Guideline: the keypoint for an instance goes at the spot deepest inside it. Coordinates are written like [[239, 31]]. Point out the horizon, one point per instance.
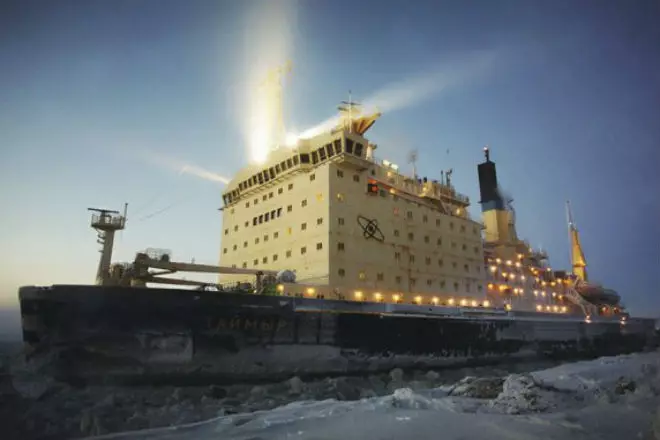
[[150, 104]]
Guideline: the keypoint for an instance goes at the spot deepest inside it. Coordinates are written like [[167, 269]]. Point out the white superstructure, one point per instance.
[[352, 226]]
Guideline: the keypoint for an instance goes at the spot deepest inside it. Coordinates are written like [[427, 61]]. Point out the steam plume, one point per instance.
[[417, 89]]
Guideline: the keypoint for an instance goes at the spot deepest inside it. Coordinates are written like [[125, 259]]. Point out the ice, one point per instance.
[[607, 398]]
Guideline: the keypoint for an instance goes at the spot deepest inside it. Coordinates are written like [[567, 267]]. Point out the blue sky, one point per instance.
[[569, 102]]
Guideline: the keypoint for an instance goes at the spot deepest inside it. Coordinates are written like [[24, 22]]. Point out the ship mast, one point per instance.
[[106, 223], [569, 222], [347, 108], [578, 261]]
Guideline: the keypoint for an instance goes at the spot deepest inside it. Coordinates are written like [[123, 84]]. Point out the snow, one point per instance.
[[607, 398]]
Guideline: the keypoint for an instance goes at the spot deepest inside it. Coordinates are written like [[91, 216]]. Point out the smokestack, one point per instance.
[[490, 197]]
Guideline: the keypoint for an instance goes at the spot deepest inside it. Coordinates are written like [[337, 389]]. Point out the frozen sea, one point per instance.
[[606, 398]]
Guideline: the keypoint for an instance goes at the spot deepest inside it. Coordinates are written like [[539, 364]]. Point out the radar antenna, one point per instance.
[[347, 108], [448, 174]]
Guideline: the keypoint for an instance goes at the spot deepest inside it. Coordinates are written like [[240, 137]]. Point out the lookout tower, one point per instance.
[[106, 223]]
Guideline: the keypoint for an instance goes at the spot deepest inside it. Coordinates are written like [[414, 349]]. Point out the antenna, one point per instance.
[[412, 159], [569, 221], [347, 107]]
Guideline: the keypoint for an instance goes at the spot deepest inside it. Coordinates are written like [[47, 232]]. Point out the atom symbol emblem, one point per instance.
[[370, 228]]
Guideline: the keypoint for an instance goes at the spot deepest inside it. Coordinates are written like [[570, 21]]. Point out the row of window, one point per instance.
[[438, 241], [264, 260], [262, 177], [340, 246], [427, 260], [272, 215], [303, 227], [265, 197], [398, 279], [340, 197], [319, 155]]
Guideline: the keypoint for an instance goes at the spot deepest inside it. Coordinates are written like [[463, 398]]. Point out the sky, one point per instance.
[[102, 103]]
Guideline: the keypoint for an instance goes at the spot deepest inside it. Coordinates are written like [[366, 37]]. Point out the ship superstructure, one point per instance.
[[353, 226]]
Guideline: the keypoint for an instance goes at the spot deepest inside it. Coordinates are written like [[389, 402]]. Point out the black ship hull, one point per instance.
[[133, 334]]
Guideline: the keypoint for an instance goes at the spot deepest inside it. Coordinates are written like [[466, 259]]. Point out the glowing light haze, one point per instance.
[[418, 87], [268, 45]]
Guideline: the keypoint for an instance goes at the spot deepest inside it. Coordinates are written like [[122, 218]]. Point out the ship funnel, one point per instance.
[[498, 220], [490, 197]]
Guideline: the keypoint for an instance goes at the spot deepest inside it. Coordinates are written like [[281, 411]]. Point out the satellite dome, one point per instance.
[[286, 276]]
